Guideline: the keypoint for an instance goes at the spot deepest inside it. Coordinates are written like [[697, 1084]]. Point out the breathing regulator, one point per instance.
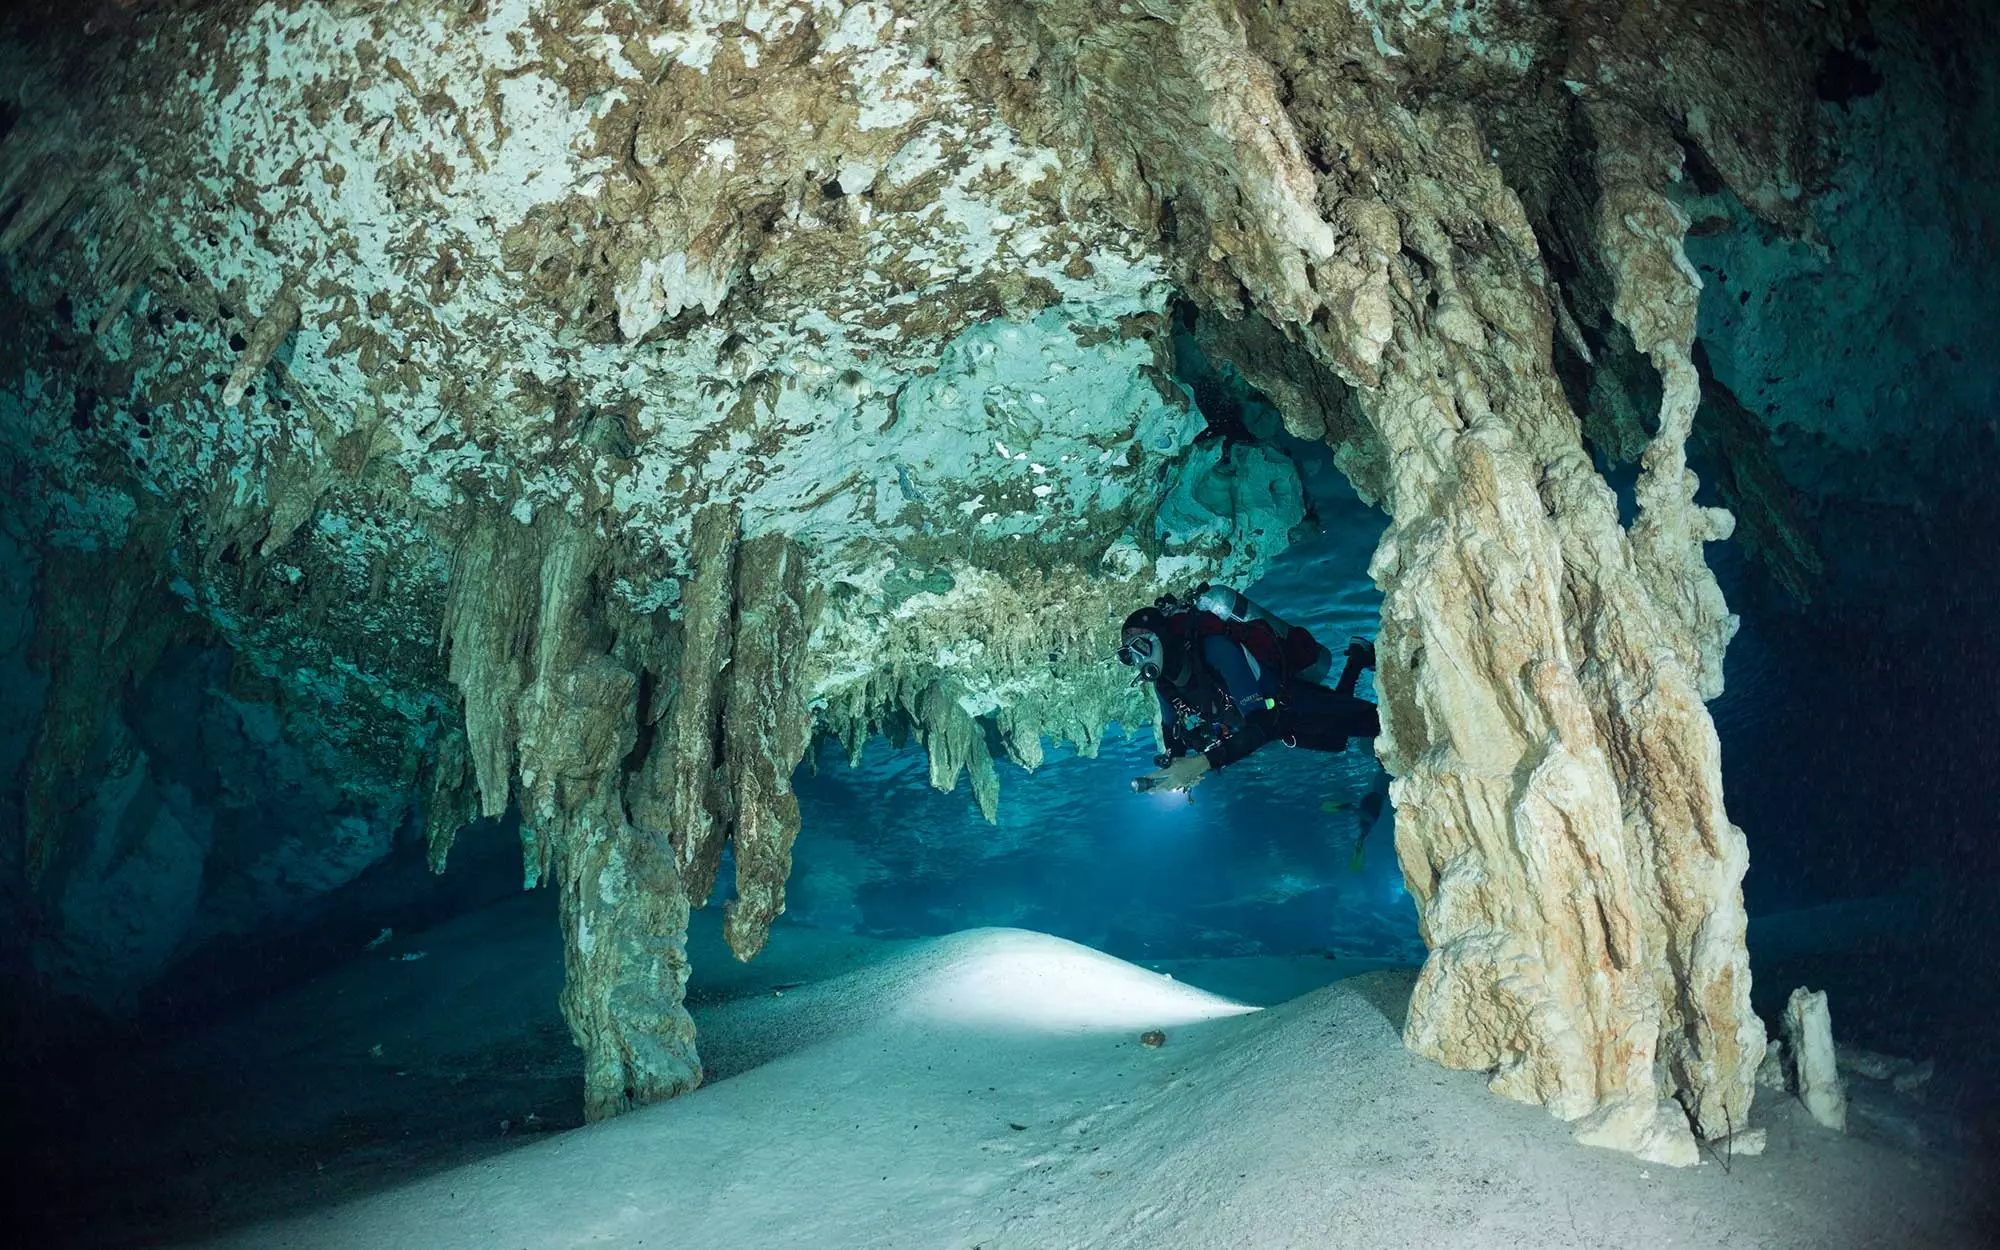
[[1174, 605]]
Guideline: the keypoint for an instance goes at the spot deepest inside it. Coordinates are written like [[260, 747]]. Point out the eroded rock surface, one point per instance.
[[581, 405]]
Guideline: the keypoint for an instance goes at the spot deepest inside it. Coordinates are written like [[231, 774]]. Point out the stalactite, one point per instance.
[[577, 717], [562, 699], [51, 191], [895, 704], [1771, 525], [488, 623], [1020, 727], [624, 908], [853, 726], [114, 308], [982, 775], [766, 726], [1639, 238], [451, 798], [1313, 401], [956, 743], [532, 623], [261, 345], [681, 792]]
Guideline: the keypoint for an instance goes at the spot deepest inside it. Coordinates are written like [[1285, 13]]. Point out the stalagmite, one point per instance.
[[625, 916], [1669, 757], [547, 695], [1558, 792], [1815, 1064]]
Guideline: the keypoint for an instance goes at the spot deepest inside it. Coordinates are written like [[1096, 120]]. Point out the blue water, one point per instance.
[[1251, 863]]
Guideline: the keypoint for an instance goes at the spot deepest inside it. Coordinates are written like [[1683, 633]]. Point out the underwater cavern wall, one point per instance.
[[579, 410]]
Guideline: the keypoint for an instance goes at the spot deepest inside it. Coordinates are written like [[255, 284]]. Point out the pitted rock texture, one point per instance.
[[704, 375]]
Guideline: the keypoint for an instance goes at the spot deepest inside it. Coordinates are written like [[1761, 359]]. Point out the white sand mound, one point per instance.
[[989, 1091], [997, 980], [1012, 978]]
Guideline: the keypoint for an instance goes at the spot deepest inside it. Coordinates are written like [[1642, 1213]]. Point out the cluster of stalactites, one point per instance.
[[934, 710], [559, 697], [637, 748]]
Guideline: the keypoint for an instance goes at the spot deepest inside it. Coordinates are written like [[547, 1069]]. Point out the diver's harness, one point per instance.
[[1210, 726], [1193, 724]]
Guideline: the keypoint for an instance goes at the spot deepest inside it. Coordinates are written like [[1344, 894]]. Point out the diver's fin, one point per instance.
[[1354, 861]]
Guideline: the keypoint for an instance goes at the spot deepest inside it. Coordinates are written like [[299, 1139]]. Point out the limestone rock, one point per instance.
[[767, 726], [1893, 180], [680, 793], [265, 338], [1771, 1072], [1656, 1132], [1814, 1062], [104, 619]]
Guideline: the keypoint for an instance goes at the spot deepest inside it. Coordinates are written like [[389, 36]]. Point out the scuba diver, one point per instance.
[[1232, 677]]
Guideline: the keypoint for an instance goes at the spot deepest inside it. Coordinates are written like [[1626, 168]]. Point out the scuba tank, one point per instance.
[[1234, 605]]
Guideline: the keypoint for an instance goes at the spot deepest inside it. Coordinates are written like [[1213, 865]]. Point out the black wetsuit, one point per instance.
[[1224, 706]]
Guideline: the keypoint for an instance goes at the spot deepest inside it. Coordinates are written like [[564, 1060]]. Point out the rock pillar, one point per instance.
[[1543, 671]]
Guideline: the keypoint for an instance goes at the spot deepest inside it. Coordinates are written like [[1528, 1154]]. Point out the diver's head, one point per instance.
[[1142, 643]]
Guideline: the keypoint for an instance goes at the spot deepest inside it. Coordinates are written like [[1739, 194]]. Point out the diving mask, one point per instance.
[[1142, 650]]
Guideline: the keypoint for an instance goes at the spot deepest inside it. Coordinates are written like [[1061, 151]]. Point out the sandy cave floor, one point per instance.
[[983, 1090]]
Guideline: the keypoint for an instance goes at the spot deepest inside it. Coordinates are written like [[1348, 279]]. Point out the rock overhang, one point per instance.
[[419, 248]]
